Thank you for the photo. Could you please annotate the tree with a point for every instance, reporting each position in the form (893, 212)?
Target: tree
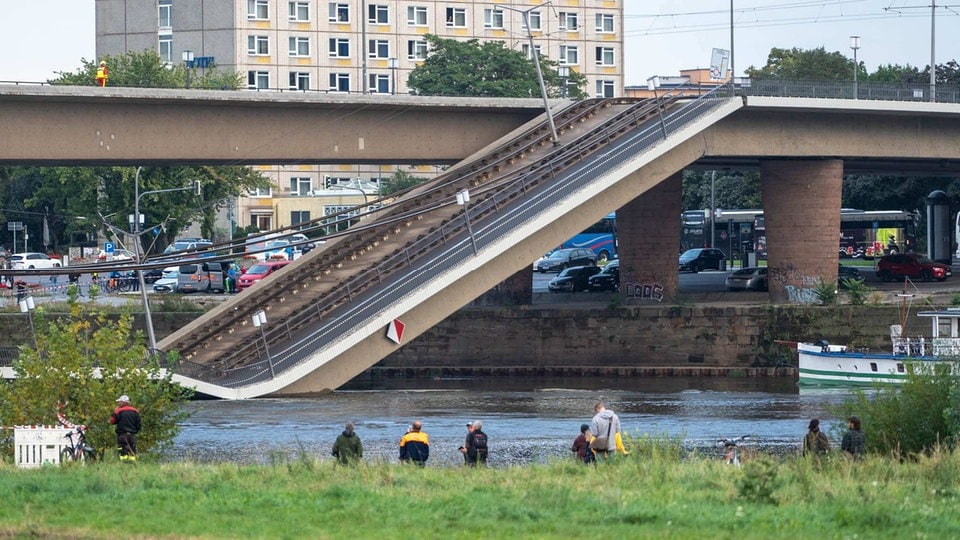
(798, 64)
(400, 181)
(84, 362)
(488, 69)
(146, 70)
(733, 190)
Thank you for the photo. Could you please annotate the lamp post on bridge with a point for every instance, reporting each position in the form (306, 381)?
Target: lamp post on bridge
(463, 199)
(259, 321)
(855, 45)
(652, 84)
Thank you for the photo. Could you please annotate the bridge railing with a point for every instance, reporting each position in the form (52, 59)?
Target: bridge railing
(511, 212)
(845, 90)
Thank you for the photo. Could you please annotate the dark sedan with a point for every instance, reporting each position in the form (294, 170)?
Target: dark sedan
(607, 279)
(573, 279)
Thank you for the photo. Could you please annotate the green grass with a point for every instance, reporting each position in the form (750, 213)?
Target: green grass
(653, 493)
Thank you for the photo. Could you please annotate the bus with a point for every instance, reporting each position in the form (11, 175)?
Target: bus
(863, 234)
(601, 237)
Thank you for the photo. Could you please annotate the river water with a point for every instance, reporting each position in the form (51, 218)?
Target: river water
(527, 419)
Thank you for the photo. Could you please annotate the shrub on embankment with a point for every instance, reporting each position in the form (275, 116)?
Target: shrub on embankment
(637, 497)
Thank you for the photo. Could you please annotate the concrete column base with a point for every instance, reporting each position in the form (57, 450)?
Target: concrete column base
(648, 230)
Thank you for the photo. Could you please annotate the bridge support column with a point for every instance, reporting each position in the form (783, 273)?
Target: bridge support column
(648, 233)
(801, 209)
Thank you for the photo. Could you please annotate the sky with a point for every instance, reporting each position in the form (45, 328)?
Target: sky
(661, 36)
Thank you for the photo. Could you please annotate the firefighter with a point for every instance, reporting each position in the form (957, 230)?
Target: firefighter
(102, 75)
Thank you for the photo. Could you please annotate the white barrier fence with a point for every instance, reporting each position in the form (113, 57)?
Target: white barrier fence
(35, 446)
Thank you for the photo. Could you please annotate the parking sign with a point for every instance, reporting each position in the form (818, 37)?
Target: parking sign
(109, 247)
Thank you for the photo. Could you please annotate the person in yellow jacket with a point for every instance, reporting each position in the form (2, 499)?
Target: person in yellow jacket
(621, 449)
(102, 74)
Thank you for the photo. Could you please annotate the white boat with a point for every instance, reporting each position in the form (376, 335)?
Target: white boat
(825, 363)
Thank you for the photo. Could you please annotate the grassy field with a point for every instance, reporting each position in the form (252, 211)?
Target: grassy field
(649, 494)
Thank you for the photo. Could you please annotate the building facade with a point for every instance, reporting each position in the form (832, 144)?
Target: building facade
(352, 46)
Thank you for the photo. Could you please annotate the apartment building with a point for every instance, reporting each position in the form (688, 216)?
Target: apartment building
(352, 46)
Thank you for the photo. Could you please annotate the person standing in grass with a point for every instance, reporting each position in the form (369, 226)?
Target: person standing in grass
(466, 443)
(477, 446)
(127, 420)
(604, 428)
(581, 445)
(815, 443)
(348, 449)
(415, 445)
(854, 442)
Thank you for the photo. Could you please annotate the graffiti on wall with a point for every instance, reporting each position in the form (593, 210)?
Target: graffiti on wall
(799, 288)
(645, 291)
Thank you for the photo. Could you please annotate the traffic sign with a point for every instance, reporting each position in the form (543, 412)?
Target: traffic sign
(109, 247)
(14, 225)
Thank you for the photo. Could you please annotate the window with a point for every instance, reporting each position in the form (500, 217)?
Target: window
(604, 56)
(416, 15)
(258, 9)
(525, 49)
(299, 80)
(379, 84)
(299, 11)
(378, 14)
(166, 48)
(329, 181)
(339, 82)
(604, 23)
(263, 222)
(568, 21)
(493, 18)
(416, 50)
(260, 192)
(535, 19)
(569, 54)
(604, 89)
(258, 80)
(339, 13)
(378, 48)
(457, 17)
(258, 45)
(299, 186)
(299, 46)
(339, 47)
(164, 14)
(299, 216)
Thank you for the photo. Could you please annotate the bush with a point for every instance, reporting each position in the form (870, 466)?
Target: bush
(826, 292)
(913, 418)
(82, 363)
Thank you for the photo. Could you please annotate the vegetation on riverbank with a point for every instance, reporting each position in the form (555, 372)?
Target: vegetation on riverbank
(650, 493)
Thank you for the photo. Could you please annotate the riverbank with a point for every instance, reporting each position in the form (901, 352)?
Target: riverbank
(649, 494)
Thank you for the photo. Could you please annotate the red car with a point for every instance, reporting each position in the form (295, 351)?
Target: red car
(259, 271)
(911, 265)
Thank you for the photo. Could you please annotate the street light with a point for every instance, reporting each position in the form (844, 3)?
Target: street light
(463, 199)
(259, 321)
(563, 72)
(855, 44)
(188, 62)
(27, 306)
(393, 64)
(652, 84)
(536, 62)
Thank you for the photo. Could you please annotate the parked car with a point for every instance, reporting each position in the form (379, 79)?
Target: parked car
(259, 271)
(195, 244)
(201, 277)
(697, 259)
(29, 261)
(116, 255)
(607, 279)
(152, 275)
(169, 281)
(748, 279)
(573, 279)
(911, 265)
(847, 273)
(565, 258)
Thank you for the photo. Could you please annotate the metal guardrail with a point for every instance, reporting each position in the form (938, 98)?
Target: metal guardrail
(920, 92)
(510, 212)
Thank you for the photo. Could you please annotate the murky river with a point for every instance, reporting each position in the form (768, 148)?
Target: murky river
(527, 419)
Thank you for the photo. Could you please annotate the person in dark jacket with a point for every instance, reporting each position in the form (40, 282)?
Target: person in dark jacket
(815, 443)
(581, 445)
(466, 443)
(415, 445)
(127, 421)
(477, 446)
(854, 442)
(348, 449)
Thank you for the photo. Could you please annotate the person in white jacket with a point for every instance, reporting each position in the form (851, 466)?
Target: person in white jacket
(604, 428)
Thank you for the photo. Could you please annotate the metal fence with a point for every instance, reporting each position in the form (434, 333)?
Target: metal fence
(920, 92)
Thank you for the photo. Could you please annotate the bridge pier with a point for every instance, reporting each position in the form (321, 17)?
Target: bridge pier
(648, 231)
(801, 208)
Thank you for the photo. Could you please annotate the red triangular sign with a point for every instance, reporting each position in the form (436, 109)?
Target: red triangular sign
(395, 331)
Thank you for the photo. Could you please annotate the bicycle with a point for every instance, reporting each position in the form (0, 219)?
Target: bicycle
(79, 449)
(731, 449)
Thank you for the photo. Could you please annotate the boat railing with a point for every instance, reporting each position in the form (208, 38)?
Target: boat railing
(946, 346)
(907, 346)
